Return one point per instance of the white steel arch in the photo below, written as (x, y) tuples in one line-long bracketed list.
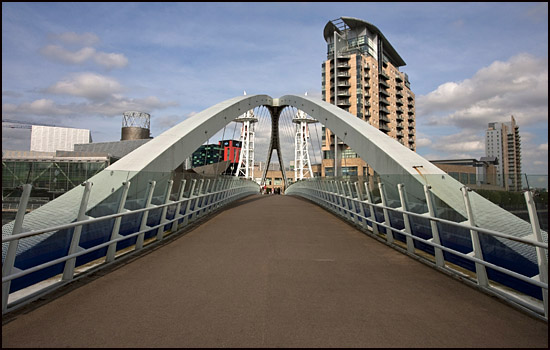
[(154, 160), (167, 151), (388, 157)]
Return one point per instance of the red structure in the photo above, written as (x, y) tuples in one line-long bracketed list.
[(231, 150)]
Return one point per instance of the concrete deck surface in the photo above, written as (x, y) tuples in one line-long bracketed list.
[(290, 275)]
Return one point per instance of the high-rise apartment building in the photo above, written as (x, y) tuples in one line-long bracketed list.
[(361, 75), (502, 141)]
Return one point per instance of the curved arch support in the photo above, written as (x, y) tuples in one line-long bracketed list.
[(398, 164), (154, 160)]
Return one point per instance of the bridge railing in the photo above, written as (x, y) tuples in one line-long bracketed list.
[(100, 235), (457, 247)]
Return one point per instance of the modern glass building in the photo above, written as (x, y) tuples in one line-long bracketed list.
[(50, 173)]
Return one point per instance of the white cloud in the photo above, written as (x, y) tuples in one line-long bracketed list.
[(423, 142), (85, 54), (58, 53), (543, 147), (110, 107), (88, 85), (110, 60), (517, 87), (85, 39)]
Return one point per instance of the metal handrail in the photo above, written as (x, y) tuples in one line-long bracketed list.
[(352, 209), (203, 203)]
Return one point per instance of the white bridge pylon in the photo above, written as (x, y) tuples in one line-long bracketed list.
[(245, 169), (302, 164)]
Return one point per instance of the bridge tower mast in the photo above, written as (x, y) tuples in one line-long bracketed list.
[(245, 168), (302, 165)]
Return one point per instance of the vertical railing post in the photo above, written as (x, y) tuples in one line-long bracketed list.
[(188, 203), (143, 225), (371, 210), (352, 203), (111, 251), (68, 270), (406, 221), (439, 259), (362, 210), (199, 200), (160, 231), (339, 198), (9, 261), (481, 272), (541, 256), (208, 198), (177, 214), (387, 222)]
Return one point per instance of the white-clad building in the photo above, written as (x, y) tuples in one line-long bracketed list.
[(51, 139)]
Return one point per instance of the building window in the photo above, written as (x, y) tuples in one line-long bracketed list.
[(349, 171), (278, 181), (349, 153)]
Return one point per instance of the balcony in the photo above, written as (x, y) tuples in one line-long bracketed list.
[(400, 126), (343, 102), (343, 83), (383, 92), (399, 117), (398, 78), (384, 127), (384, 101), (343, 93), (344, 65), (383, 83), (383, 75), (383, 118), (399, 134), (384, 110), (343, 74)]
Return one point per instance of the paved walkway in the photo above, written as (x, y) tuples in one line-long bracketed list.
[(274, 271)]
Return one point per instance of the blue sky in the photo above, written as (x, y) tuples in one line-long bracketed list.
[(83, 64)]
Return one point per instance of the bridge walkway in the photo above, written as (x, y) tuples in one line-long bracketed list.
[(289, 275)]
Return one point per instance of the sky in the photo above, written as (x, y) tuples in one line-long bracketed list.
[(82, 65)]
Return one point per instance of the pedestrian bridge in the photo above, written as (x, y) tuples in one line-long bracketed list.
[(138, 202)]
